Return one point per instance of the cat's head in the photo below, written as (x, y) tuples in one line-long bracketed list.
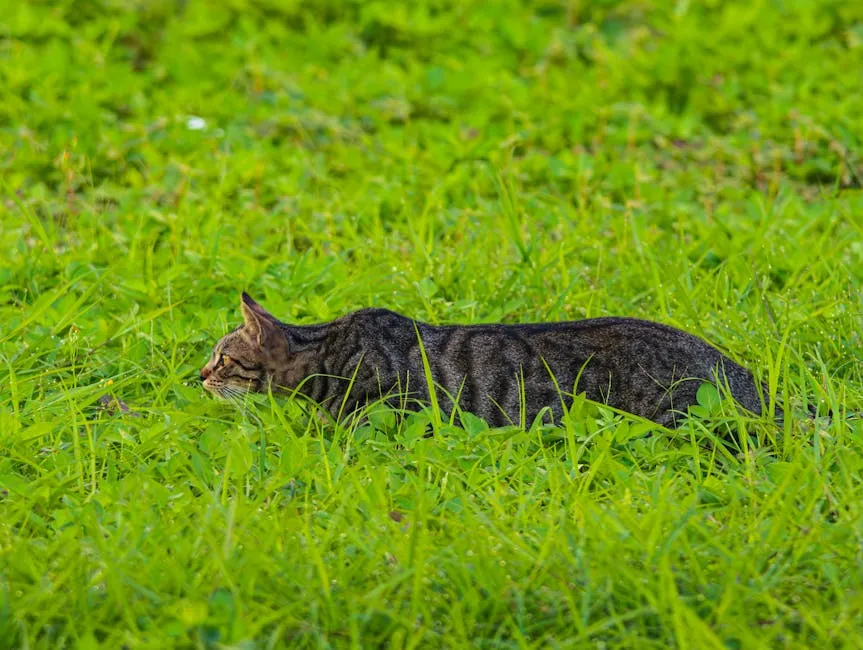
[(248, 358)]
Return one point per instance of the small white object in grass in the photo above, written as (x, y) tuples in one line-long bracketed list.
[(195, 123)]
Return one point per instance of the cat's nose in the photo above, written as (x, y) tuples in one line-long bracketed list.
[(204, 374)]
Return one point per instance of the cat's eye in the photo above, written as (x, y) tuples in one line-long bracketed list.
[(222, 360)]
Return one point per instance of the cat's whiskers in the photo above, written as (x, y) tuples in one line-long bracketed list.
[(233, 393)]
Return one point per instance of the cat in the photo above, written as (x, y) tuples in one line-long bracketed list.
[(504, 374)]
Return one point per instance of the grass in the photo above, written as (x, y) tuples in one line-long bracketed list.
[(693, 163)]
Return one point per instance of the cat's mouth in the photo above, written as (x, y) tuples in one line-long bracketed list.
[(228, 391)]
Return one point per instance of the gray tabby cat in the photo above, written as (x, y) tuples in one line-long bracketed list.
[(500, 373)]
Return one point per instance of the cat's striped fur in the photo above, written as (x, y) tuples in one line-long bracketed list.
[(501, 373)]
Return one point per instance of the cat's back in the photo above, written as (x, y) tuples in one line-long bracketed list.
[(610, 329), (621, 338), (375, 317), (377, 325), (390, 328), (602, 331)]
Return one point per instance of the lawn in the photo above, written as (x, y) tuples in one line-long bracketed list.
[(695, 163)]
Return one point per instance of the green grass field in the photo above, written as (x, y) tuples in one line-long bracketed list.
[(696, 163)]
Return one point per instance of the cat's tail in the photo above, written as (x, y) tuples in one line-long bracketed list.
[(831, 414), (746, 394)]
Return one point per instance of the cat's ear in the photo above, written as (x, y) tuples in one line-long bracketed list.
[(259, 323), (249, 303)]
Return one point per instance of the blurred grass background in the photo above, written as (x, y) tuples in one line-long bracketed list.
[(697, 163)]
